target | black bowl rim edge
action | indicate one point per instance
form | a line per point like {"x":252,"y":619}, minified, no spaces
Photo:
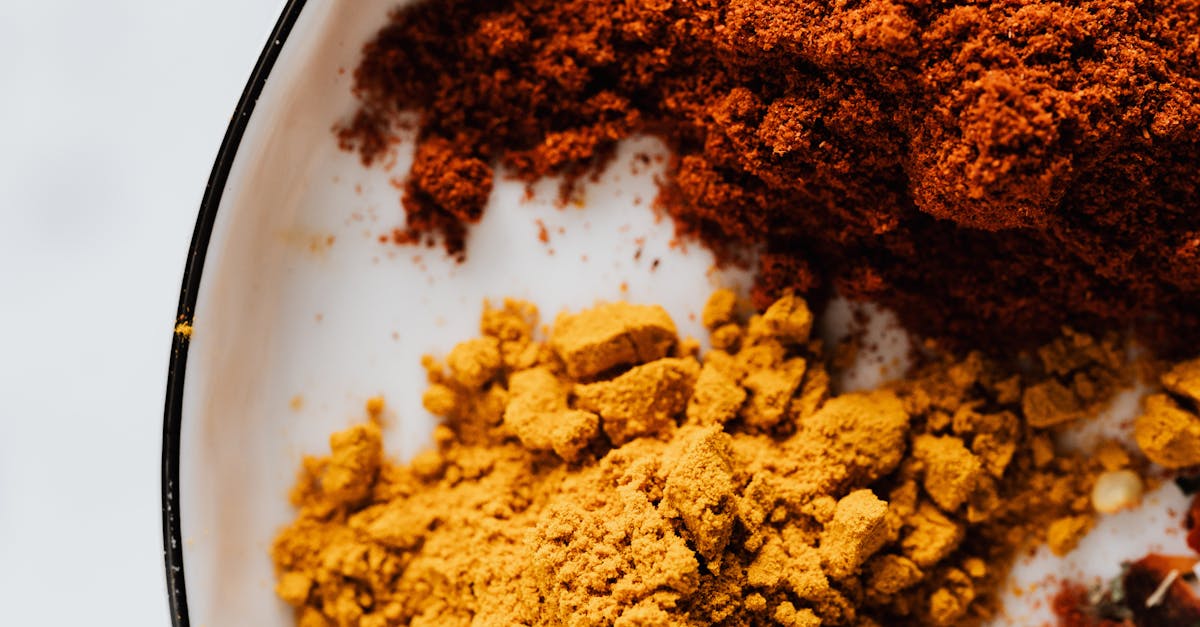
{"x":172,"y":415}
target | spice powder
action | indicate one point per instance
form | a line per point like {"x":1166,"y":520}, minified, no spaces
{"x":608,"y":474}
{"x":990,"y":170}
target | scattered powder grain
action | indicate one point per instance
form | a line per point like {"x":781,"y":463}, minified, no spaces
{"x":606,"y":476}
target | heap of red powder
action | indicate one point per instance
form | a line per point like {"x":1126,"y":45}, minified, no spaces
{"x":989,"y":169}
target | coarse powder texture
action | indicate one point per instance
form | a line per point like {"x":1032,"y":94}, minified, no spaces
{"x":1168,"y":431}
{"x":990,"y":169}
{"x":665,"y":489}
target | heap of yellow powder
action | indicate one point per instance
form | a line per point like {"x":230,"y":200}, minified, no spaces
{"x":607,"y":476}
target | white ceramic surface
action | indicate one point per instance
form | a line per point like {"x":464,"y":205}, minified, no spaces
{"x":303,"y":314}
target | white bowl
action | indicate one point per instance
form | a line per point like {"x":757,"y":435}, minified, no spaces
{"x":300,"y":314}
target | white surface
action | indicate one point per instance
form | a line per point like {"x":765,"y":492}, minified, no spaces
{"x":110,"y":117}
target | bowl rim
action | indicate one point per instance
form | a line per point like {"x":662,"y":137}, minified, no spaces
{"x":190,"y":289}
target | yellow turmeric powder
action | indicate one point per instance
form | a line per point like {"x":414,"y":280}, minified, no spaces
{"x":607,"y":476}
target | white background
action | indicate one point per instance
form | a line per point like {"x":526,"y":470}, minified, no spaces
{"x":110,"y":116}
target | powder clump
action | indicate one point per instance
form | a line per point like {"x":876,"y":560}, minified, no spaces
{"x":611,"y":335}
{"x":538,"y":414}
{"x":1168,"y":430}
{"x":1184,"y":379}
{"x":606,"y":476}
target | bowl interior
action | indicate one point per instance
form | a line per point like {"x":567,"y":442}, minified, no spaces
{"x":303,"y":313}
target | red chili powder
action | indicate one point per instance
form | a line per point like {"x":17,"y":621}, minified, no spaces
{"x":1191,"y":523}
{"x":990,"y":169}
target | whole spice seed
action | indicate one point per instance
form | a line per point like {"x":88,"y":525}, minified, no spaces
{"x":1116,"y":490}
{"x":990,"y":169}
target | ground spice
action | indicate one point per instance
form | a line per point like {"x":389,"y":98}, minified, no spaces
{"x":991,"y":170}
{"x":1191,"y":524}
{"x":1168,"y":431}
{"x":610,"y":475}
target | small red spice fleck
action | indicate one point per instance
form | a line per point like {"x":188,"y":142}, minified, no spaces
{"x":1192,"y":524}
{"x":543,"y":234}
{"x":403,"y":236}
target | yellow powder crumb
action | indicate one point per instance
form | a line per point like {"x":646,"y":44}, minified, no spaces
{"x":1112,"y":456}
{"x":512,"y":325}
{"x":355,"y":460}
{"x":719,"y":310}
{"x":1184,"y":379}
{"x":933,"y":536}
{"x":1168,"y":434}
{"x":611,"y":335}
{"x":1065,"y":533}
{"x":537,"y":413}
{"x":794,"y":567}
{"x":700,"y":488}
{"x":975,"y":567}
{"x":293,"y":588}
{"x":787,"y":615}
{"x":890,"y":574}
{"x":996,"y":450}
{"x":1050,"y":403}
{"x":859,"y":435}
{"x":474,"y":362}
{"x":951,"y":471}
{"x":1043,"y":450}
{"x":183,"y":329}
{"x":726,"y":337}
{"x":856,"y":532}
{"x":644,"y":400}
{"x":813,"y":393}
{"x":950,"y":603}
{"x":1074,"y":351}
{"x":789,"y":319}
{"x":770,"y":390}
{"x":375,"y":406}
{"x":1008,"y":391}
{"x":716,"y":398}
